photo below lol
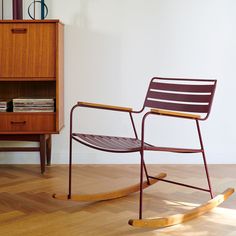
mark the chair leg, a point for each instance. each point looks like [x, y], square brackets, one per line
[70, 167]
[145, 170]
[49, 149]
[42, 144]
[141, 185]
[204, 159]
[207, 174]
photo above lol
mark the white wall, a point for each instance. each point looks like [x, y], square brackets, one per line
[114, 47]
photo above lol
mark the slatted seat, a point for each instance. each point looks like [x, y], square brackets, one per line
[122, 144]
[110, 143]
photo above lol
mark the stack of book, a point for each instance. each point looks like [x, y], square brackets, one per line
[33, 105]
[5, 105]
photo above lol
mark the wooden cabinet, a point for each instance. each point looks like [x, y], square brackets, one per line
[31, 64]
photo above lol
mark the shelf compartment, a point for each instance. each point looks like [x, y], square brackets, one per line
[40, 89]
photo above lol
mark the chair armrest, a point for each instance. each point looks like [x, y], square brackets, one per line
[103, 106]
[175, 114]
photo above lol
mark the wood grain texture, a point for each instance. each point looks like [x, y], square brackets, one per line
[28, 54]
[161, 222]
[104, 106]
[109, 195]
[177, 114]
[27, 207]
[60, 77]
[31, 22]
[13, 89]
[13, 122]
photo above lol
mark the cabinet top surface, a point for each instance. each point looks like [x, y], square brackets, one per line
[30, 21]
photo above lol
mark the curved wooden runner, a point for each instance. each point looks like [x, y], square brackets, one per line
[180, 218]
[109, 195]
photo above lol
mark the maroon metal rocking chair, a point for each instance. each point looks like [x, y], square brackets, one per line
[177, 98]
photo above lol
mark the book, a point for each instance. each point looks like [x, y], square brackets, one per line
[33, 109]
[5, 104]
[33, 101]
[33, 104]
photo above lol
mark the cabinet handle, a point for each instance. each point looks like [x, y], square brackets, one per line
[18, 122]
[19, 31]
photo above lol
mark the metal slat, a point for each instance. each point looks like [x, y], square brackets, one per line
[95, 140]
[193, 88]
[117, 142]
[179, 97]
[128, 143]
[177, 106]
[176, 150]
[105, 142]
[121, 143]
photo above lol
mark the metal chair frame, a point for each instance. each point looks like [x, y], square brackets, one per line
[142, 146]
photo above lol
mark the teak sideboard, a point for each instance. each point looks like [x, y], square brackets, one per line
[31, 64]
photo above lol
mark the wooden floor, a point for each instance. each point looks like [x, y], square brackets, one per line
[27, 208]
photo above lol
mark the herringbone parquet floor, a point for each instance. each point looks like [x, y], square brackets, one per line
[27, 206]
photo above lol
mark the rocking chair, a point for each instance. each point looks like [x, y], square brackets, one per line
[177, 98]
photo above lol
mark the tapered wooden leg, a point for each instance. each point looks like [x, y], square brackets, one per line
[48, 149]
[42, 148]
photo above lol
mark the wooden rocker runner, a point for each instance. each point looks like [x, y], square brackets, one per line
[177, 98]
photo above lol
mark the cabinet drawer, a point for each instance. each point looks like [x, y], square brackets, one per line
[28, 50]
[28, 122]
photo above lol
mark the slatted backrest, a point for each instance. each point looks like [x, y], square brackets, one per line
[185, 95]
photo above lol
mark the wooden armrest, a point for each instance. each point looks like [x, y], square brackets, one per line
[177, 114]
[103, 106]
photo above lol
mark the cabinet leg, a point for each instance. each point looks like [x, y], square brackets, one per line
[48, 149]
[42, 144]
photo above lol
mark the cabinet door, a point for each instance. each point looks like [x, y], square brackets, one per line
[28, 50]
